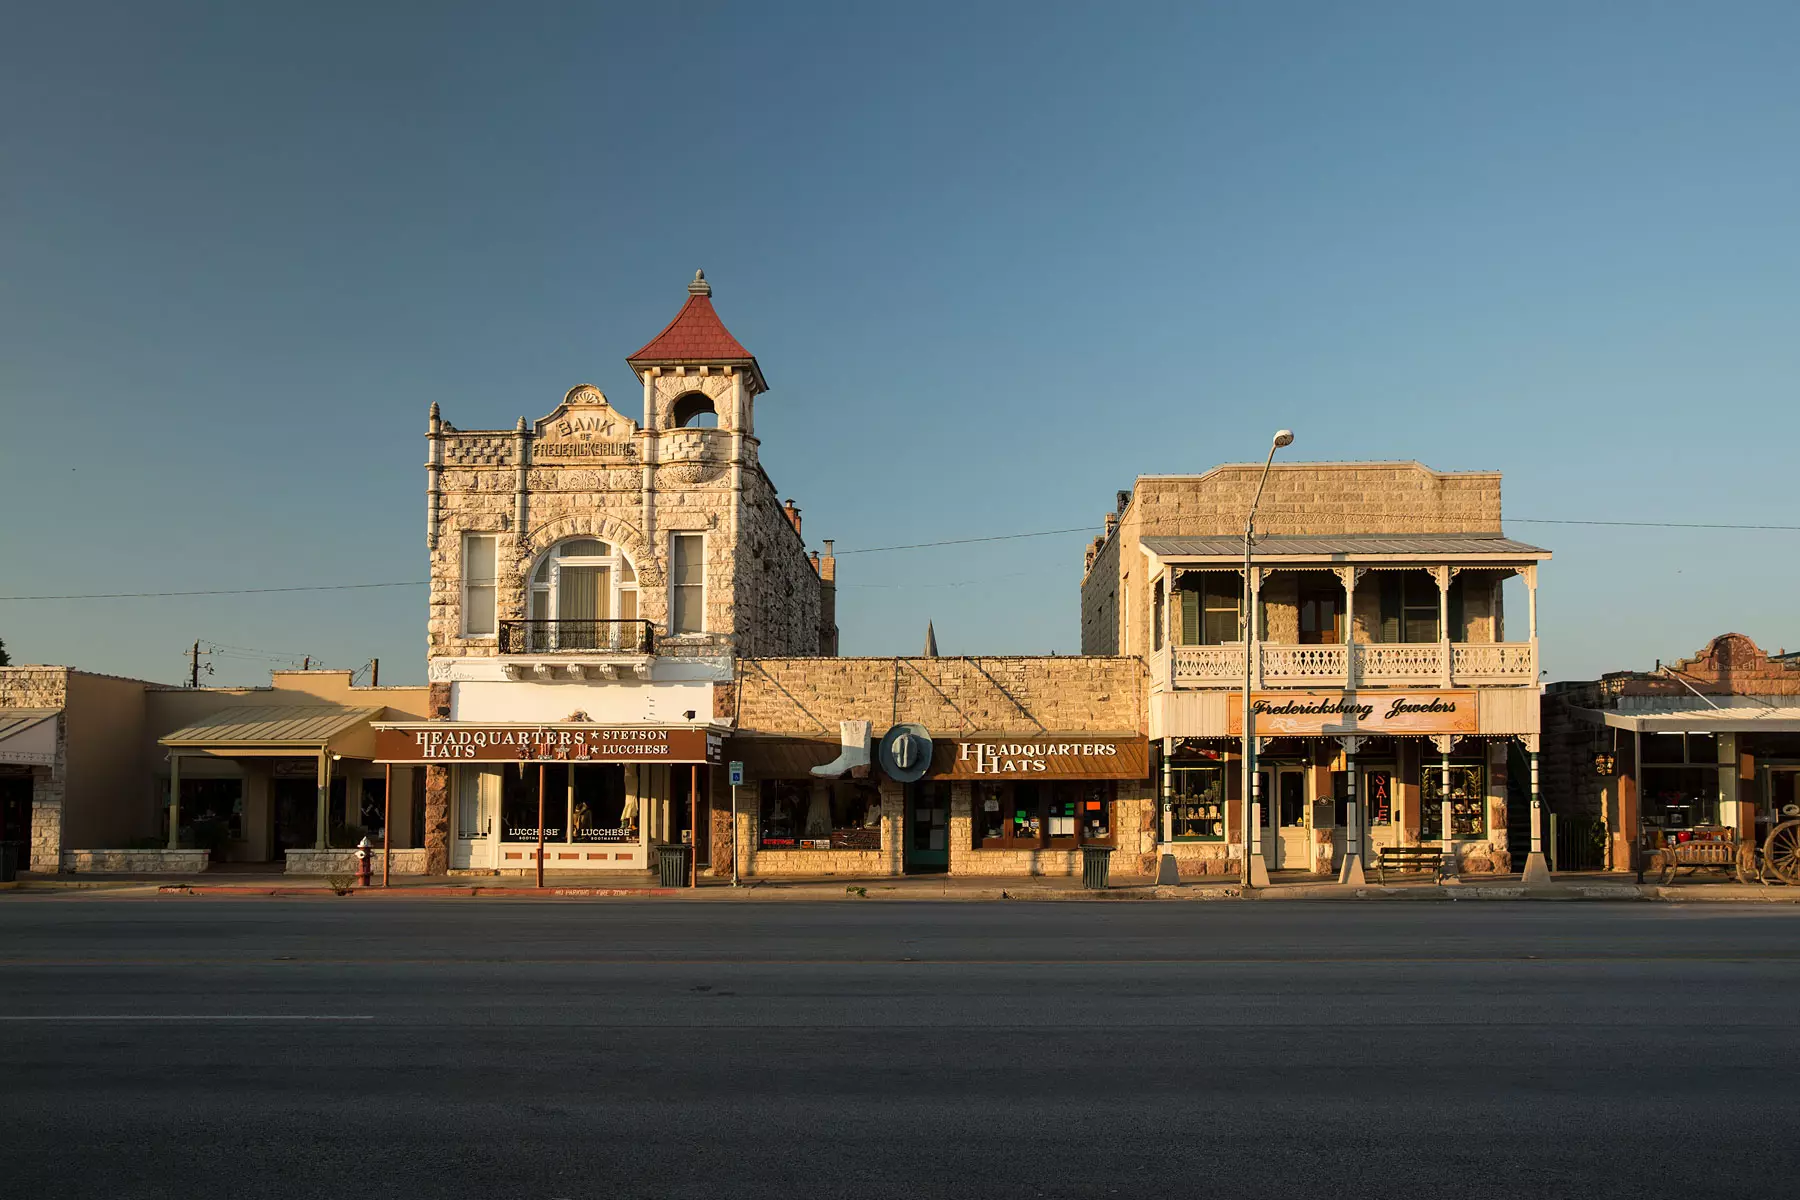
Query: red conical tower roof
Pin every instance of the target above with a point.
(696, 337)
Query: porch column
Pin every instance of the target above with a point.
(1445, 816)
(1536, 869)
(1442, 575)
(174, 801)
(1253, 625)
(1628, 835)
(1352, 869)
(324, 777)
(1530, 574)
(1347, 575)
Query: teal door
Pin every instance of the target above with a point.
(927, 827)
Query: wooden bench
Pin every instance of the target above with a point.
(1405, 860)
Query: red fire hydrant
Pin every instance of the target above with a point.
(365, 861)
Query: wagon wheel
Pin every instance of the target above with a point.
(1669, 866)
(1781, 852)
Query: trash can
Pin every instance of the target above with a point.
(9, 861)
(672, 865)
(1096, 866)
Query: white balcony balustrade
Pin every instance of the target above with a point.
(1376, 664)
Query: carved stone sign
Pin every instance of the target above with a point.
(1286, 714)
(583, 427)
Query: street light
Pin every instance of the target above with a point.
(1283, 437)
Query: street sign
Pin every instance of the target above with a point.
(737, 774)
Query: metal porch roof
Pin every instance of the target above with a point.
(272, 725)
(1347, 545)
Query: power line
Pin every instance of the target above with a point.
(998, 537)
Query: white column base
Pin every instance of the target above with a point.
(1537, 869)
(1351, 870)
(1259, 871)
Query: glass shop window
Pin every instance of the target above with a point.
(212, 812)
(599, 809)
(1197, 804)
(1035, 815)
(519, 803)
(1680, 797)
(1468, 801)
(805, 814)
(1340, 795)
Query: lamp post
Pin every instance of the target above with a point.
(1283, 437)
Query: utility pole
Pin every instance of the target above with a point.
(374, 672)
(194, 664)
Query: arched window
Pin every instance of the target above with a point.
(584, 596)
(694, 411)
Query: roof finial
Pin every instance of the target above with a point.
(699, 287)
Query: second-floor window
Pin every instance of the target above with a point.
(687, 583)
(584, 580)
(1409, 607)
(480, 562)
(1210, 608)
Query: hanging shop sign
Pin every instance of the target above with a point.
(460, 742)
(1286, 714)
(1049, 756)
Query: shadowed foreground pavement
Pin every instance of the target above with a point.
(211, 1048)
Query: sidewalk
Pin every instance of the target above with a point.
(638, 885)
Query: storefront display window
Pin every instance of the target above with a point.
(1680, 797)
(1031, 815)
(1197, 804)
(1468, 801)
(582, 803)
(805, 814)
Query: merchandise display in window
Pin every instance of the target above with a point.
(585, 803)
(1031, 815)
(1468, 801)
(1197, 803)
(807, 814)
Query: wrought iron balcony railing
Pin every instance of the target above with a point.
(580, 635)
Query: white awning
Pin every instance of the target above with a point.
(1732, 719)
(28, 735)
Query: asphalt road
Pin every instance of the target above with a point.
(199, 1048)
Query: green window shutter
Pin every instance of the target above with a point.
(1190, 617)
(1456, 610)
(1390, 606)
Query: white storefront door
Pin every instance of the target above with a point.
(477, 803)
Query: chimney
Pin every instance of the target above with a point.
(792, 514)
(1124, 499)
(1112, 523)
(826, 565)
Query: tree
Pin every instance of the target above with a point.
(5, 658)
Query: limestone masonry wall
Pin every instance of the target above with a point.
(807, 697)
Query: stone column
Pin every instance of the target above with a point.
(174, 801)
(437, 819)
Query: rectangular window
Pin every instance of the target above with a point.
(1156, 616)
(1197, 803)
(1210, 604)
(1035, 815)
(480, 580)
(1320, 607)
(1292, 799)
(519, 803)
(1409, 607)
(803, 814)
(1377, 796)
(687, 578)
(1468, 801)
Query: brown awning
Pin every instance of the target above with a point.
(780, 757)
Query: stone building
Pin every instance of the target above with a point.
(593, 579)
(1021, 763)
(1710, 742)
(1380, 667)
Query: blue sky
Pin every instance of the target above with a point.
(996, 260)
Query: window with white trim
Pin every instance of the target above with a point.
(480, 579)
(687, 583)
(583, 595)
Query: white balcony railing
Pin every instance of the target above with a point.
(1400, 662)
(1209, 666)
(1494, 662)
(1300, 666)
(1376, 664)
